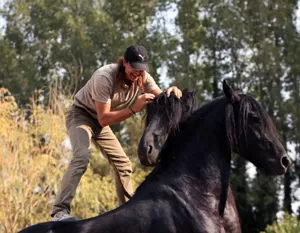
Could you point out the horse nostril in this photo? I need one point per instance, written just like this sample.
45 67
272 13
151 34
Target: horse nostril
285 161
150 149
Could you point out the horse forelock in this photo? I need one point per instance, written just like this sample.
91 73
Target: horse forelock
170 111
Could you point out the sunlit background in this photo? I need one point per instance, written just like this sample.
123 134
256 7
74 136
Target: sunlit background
49 49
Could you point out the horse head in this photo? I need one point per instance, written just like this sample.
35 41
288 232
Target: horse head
252 134
163 117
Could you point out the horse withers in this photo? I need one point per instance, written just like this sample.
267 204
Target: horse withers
187 189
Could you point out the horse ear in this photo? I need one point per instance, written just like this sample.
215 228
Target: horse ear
229 93
227 90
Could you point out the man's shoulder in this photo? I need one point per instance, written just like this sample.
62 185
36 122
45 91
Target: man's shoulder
106 72
149 77
107 69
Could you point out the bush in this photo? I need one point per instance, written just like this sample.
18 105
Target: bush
288 224
33 159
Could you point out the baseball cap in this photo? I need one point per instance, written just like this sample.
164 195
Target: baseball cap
137 57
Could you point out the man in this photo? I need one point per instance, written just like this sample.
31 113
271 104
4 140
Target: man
109 97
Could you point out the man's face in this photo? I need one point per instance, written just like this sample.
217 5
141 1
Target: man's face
132 75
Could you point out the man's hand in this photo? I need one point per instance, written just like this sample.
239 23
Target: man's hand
176 91
141 101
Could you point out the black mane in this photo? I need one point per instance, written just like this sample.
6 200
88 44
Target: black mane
248 105
172 110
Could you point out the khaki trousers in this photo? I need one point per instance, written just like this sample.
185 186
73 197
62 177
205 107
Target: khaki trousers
82 128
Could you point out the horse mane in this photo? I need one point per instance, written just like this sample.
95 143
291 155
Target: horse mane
191 122
171 110
237 132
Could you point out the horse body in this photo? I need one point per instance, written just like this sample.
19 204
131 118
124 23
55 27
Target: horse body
176 204
168 210
187 190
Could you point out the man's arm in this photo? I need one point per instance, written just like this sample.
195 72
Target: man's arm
106 117
156 92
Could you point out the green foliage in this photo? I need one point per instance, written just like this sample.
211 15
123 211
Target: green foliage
288 224
264 201
33 160
58 44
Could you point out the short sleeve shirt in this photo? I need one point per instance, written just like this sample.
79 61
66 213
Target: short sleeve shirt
101 88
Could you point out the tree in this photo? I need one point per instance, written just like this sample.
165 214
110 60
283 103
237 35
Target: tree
61 43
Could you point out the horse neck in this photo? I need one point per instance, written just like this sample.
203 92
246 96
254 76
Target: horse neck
201 152
208 138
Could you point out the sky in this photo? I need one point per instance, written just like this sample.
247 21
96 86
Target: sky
170 16
2 23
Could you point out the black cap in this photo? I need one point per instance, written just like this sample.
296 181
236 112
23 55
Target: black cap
137 57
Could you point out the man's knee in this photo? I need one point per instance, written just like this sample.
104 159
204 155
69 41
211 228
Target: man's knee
126 164
80 139
81 159
123 166
81 155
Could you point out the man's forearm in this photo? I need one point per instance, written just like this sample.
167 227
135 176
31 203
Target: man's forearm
115 117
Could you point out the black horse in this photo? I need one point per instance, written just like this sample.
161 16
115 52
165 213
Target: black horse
187 189
163 117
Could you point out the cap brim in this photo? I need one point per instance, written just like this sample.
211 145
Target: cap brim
139 66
